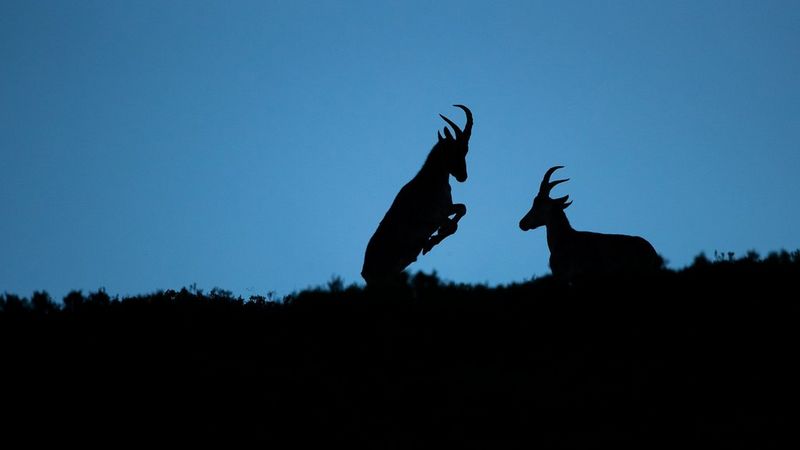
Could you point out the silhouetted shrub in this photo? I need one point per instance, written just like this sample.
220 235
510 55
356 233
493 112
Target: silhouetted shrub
99 299
73 301
701 260
42 303
12 304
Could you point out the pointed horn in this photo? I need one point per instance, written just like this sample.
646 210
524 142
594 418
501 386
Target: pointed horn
553 184
453 125
468 126
544 187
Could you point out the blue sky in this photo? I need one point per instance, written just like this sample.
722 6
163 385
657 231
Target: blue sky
255 146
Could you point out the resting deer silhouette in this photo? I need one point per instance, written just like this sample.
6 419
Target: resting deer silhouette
579 254
422 207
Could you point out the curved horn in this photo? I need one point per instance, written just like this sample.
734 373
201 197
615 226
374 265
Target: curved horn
468 126
453 125
555 183
546 186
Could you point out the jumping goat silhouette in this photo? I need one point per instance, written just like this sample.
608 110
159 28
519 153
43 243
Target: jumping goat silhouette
579 254
422 207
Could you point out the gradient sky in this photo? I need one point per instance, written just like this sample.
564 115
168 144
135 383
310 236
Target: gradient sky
255 146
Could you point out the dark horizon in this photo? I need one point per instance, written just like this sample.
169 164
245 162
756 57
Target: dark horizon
255 146
701 355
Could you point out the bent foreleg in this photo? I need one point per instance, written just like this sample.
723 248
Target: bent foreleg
449 227
459 210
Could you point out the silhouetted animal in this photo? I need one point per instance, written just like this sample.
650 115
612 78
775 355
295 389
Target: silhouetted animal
422 207
578 254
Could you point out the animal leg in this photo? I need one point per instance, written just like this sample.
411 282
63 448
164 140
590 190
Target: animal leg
449 227
445 230
459 209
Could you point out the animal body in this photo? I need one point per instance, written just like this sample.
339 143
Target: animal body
423 206
579 254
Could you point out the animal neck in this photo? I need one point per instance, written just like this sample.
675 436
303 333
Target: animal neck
558 231
434 170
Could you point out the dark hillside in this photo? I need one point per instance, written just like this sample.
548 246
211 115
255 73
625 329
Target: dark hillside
704 355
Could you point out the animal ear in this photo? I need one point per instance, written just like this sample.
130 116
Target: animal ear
447 133
440 136
563 201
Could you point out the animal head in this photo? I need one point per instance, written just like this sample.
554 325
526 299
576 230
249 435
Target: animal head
544 208
455 146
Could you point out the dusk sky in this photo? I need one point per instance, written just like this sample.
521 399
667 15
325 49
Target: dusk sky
255 145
